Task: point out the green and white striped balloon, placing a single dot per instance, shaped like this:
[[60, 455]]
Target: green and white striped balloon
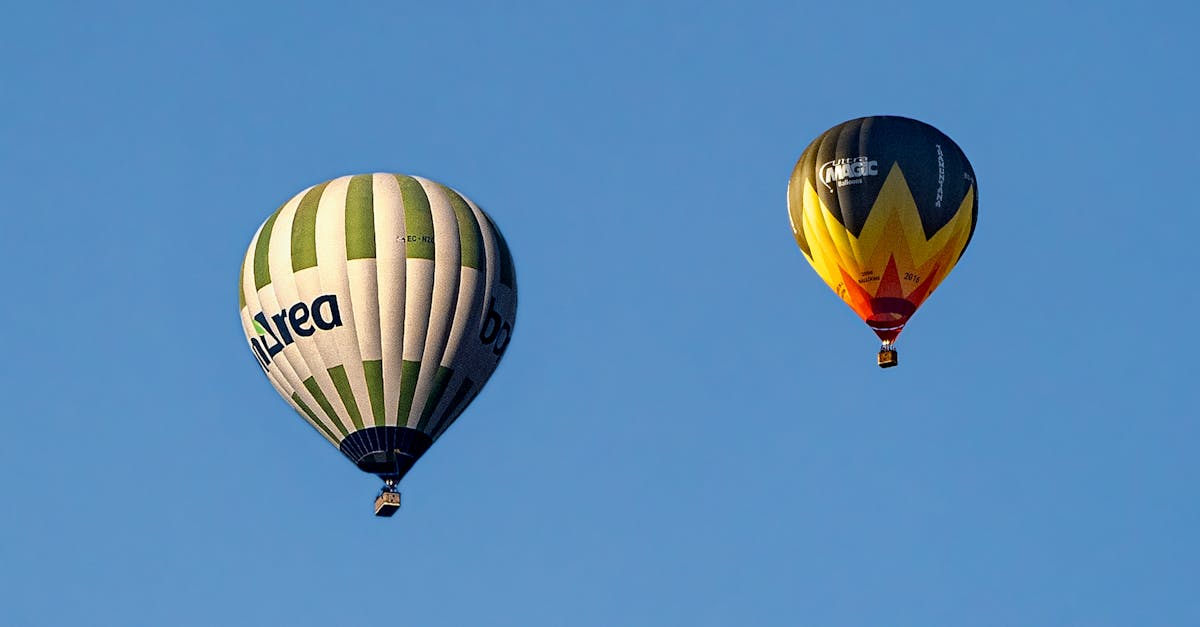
[[378, 305]]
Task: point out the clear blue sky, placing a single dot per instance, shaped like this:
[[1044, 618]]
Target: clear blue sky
[[688, 427]]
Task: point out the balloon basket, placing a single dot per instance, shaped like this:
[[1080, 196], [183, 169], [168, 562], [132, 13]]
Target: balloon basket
[[387, 503], [888, 358]]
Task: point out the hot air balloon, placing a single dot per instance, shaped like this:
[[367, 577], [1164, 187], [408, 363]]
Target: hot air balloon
[[378, 305], [883, 208]]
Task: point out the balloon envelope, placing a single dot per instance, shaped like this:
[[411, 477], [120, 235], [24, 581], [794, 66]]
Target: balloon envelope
[[883, 207], [378, 305]]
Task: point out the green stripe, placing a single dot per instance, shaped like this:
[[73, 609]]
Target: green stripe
[[304, 230], [262, 269], [242, 285], [409, 371], [470, 237], [310, 384], [440, 379], [464, 388], [418, 218], [374, 373], [360, 218], [313, 417], [507, 270], [457, 403], [342, 383]]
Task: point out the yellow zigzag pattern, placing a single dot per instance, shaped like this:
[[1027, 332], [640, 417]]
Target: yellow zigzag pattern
[[893, 230]]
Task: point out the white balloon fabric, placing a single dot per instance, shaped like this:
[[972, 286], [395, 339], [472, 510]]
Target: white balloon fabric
[[378, 305]]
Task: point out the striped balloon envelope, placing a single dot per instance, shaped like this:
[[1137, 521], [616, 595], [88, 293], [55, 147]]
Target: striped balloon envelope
[[882, 208], [378, 305]]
